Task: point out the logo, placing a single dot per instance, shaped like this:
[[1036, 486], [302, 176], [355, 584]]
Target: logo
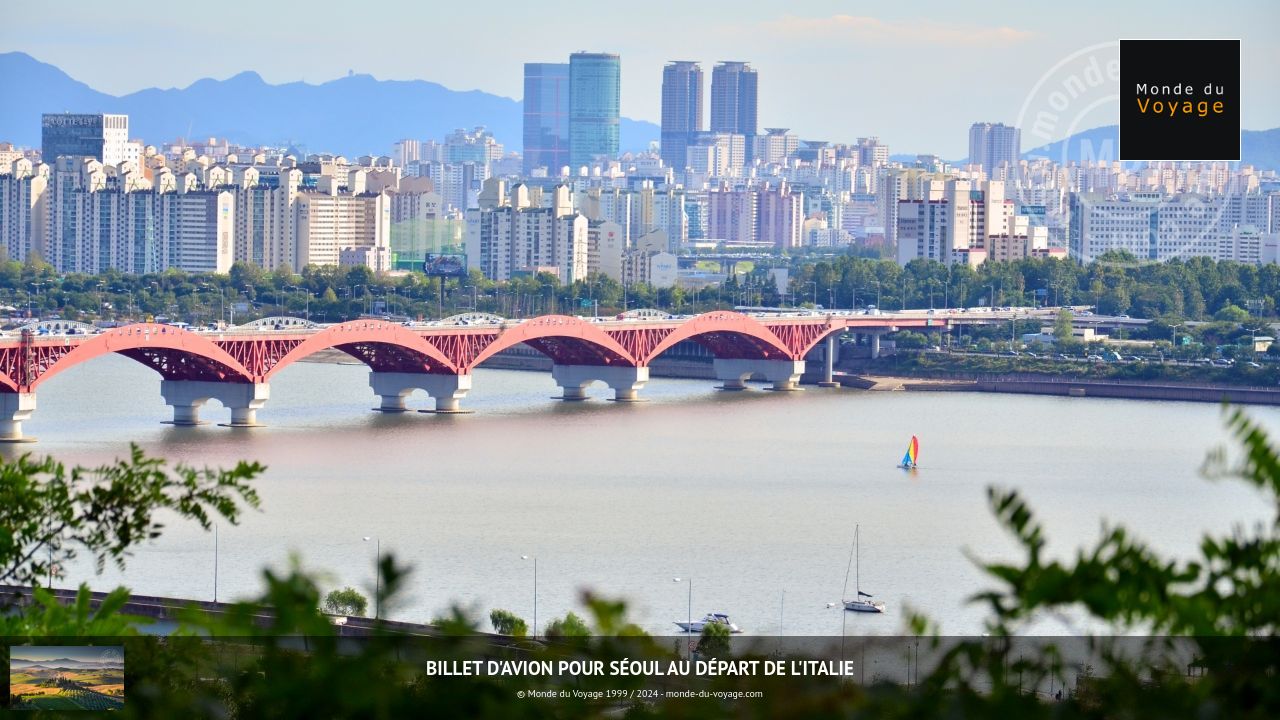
[[1180, 100]]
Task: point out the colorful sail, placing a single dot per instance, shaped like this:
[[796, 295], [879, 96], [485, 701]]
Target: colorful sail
[[913, 452]]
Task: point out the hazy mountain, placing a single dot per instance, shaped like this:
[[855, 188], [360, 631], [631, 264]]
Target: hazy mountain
[[353, 115], [1259, 148], [63, 663]]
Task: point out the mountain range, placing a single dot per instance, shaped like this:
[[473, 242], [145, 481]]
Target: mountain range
[[353, 115], [1259, 148], [66, 663], [344, 115]]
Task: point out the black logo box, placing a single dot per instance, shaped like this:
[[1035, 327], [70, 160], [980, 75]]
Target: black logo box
[[1188, 66]]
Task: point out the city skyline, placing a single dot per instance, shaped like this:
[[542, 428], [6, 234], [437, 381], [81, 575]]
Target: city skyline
[[815, 60]]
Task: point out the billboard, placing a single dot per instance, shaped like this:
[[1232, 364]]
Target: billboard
[[445, 265]]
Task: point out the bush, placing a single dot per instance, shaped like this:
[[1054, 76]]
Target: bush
[[347, 601], [506, 622], [571, 626]]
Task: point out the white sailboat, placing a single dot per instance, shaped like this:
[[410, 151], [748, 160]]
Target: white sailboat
[[861, 601]]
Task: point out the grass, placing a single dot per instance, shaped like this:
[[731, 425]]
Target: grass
[[51, 702]]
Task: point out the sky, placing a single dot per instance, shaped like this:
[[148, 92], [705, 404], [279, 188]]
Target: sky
[[916, 74], [84, 653]]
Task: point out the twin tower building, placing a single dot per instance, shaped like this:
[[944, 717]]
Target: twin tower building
[[572, 113]]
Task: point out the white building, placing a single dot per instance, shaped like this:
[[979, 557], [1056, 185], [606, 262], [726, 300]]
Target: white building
[[328, 223], [22, 208], [509, 234], [1159, 227]]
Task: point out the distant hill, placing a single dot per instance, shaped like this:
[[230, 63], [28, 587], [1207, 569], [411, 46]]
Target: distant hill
[[1259, 148], [67, 663], [353, 115]]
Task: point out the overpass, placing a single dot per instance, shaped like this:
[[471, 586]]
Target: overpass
[[235, 365]]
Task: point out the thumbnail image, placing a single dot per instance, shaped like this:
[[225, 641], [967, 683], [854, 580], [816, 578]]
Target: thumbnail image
[[66, 677]]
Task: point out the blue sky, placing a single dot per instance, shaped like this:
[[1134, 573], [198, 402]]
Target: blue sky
[[914, 73], [41, 653]]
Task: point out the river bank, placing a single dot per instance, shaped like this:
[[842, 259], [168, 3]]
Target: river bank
[[865, 375]]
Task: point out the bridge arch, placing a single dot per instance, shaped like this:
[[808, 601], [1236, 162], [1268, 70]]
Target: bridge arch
[[175, 353], [382, 345], [728, 335], [566, 340]]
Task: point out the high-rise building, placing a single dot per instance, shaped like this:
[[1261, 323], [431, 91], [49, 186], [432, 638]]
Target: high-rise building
[[22, 209], [508, 233], [546, 117], [104, 138], [681, 110], [734, 87], [595, 82], [993, 145], [329, 222]]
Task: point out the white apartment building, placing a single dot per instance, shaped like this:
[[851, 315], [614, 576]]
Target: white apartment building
[[328, 222], [1155, 226], [507, 234], [22, 208]]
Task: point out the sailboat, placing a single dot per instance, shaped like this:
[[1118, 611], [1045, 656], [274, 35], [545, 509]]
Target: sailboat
[[913, 452], [858, 603]]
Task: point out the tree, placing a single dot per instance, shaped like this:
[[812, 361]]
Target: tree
[[347, 601], [49, 514], [1232, 314], [1063, 325], [714, 641], [571, 626], [506, 622]]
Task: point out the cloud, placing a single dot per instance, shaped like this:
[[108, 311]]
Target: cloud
[[870, 30]]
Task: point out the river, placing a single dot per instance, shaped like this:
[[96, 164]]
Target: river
[[752, 495]]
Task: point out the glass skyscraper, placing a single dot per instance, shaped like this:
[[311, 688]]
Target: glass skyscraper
[[734, 101], [595, 81], [681, 110], [546, 116]]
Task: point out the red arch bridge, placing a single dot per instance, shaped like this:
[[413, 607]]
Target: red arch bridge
[[235, 365]]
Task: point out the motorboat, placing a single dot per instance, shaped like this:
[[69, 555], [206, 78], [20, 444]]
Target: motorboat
[[709, 619]]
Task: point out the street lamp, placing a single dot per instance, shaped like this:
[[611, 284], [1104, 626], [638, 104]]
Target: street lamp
[[377, 588], [215, 562], [815, 293], [689, 626], [535, 592]]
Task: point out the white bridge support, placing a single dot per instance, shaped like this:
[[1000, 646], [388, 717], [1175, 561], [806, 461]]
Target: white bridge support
[[187, 396], [626, 381], [875, 345], [394, 388], [829, 362], [14, 408], [784, 374]]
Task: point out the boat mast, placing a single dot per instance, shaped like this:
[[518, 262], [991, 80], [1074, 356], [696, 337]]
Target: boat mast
[[857, 578]]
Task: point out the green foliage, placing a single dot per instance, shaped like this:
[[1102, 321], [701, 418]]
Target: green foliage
[[49, 515], [347, 601], [1232, 314], [714, 640], [570, 626], [1063, 326], [506, 622]]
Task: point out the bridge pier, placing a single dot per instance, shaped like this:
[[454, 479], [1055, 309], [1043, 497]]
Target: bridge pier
[[394, 388], [188, 396], [734, 372], [626, 381], [14, 409], [875, 345], [829, 362]]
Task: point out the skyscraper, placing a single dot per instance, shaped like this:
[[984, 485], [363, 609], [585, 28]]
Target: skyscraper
[[991, 145], [101, 137], [734, 88], [681, 110], [595, 81], [546, 116]]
